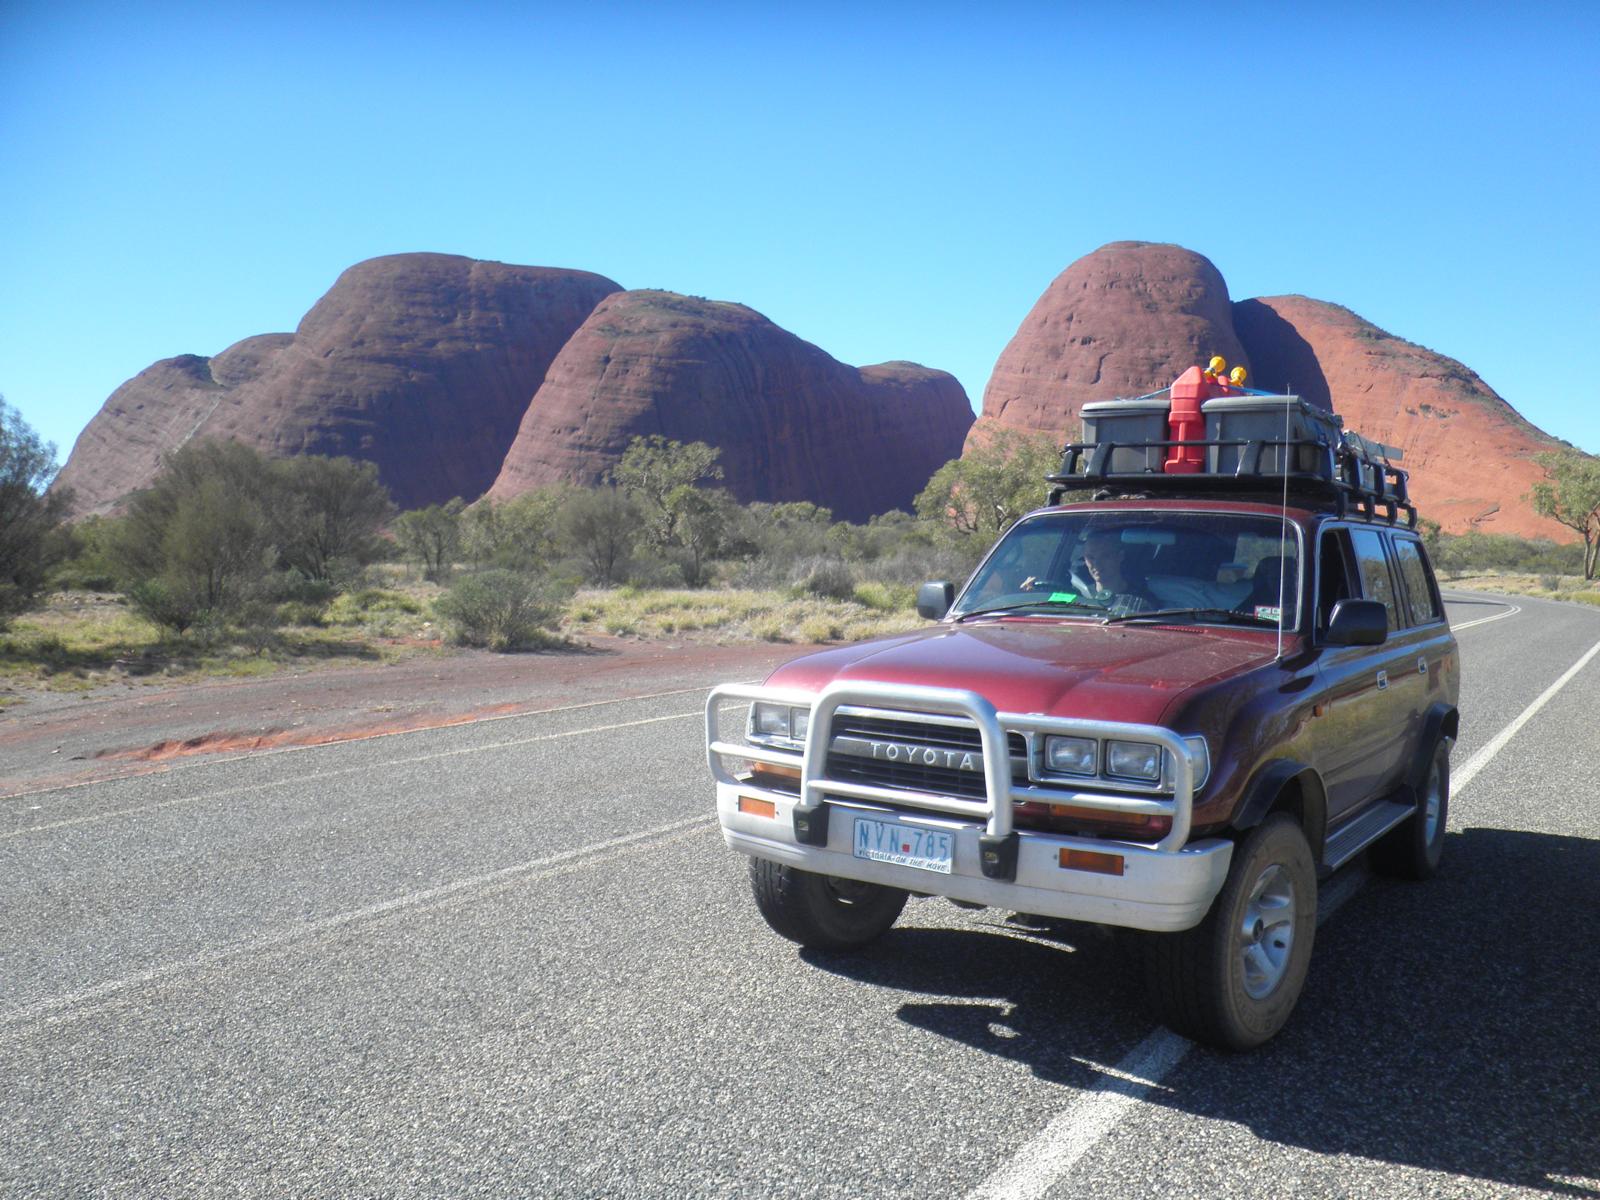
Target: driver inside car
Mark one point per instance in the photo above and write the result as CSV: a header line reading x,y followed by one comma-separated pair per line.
x,y
1111,575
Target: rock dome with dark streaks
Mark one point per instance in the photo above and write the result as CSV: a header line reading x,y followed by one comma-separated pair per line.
x,y
1469,453
792,422
420,363
1122,321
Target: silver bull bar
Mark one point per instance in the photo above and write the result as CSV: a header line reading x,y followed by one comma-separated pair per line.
x,y
995,810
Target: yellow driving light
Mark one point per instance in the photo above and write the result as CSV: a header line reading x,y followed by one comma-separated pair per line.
x,y
1218,364
1237,376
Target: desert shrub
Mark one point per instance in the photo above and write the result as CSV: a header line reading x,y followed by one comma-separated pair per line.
x,y
601,527
828,578
32,540
431,537
327,515
1550,583
885,597
503,610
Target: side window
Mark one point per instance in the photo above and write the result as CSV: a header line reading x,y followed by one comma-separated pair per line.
x,y
1420,593
1333,573
1376,582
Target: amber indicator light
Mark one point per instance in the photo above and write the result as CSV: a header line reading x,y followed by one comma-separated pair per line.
x,y
766,808
780,770
1091,860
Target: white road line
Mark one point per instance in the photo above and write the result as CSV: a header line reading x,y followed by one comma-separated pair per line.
x,y
1499,616
1460,779
1076,1129
532,869
363,768
168,768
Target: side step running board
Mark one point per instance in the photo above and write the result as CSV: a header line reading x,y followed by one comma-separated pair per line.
x,y
1355,836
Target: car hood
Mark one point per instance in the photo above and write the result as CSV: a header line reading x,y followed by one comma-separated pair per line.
x,y
1128,673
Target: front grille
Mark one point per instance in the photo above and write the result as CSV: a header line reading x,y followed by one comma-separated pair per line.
x,y
918,777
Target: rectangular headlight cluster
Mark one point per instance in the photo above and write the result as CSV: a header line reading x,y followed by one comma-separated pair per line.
x,y
779,722
1137,762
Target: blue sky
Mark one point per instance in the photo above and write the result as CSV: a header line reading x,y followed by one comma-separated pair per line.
x,y
900,182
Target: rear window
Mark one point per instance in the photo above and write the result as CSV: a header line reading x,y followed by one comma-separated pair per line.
x,y
1376,581
1420,595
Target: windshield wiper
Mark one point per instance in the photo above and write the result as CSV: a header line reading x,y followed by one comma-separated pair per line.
x,y
1226,616
1041,602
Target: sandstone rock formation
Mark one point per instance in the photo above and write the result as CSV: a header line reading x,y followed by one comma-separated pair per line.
x,y
1470,454
1121,321
421,363
793,423
1128,318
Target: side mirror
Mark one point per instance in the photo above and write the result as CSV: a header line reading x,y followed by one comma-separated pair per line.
x,y
935,599
1358,623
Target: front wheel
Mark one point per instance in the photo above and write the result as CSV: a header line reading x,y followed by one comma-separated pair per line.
x,y
1233,980
823,912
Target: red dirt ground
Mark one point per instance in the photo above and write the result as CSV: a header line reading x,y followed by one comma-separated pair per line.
x,y
50,740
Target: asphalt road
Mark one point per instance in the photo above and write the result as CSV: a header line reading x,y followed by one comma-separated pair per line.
x,y
514,959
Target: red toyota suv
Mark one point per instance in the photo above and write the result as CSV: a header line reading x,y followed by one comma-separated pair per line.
x,y
1171,709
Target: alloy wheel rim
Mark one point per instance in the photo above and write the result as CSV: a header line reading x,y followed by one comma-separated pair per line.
x,y
1266,932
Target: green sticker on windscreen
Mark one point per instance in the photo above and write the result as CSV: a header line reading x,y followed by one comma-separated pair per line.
x,y
1063,597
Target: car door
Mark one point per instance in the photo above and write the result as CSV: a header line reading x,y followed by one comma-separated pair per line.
x,y
1363,733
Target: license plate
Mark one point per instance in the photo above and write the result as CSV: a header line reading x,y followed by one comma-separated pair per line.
x,y
904,845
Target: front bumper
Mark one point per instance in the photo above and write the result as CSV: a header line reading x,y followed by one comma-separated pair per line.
x,y
1157,890
1166,885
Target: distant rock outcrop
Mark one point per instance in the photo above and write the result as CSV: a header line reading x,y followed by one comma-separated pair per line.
x,y
1470,454
1121,321
1128,318
420,363
792,422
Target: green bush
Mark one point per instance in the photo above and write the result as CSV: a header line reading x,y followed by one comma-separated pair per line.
x,y
830,579
504,610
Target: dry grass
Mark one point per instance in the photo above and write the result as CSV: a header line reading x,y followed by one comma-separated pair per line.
x,y
81,640
732,616
1571,588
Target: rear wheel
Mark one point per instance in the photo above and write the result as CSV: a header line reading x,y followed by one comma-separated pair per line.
x,y
823,912
1412,849
1233,980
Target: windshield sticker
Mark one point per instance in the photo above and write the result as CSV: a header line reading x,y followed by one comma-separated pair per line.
x,y
1269,612
1063,597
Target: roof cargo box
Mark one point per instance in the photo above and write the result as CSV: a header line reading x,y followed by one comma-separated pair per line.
x,y
1262,419
1132,425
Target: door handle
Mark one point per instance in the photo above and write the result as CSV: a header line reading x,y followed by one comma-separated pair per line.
x,y
1422,665
1383,680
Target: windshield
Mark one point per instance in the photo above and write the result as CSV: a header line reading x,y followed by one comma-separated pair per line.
x,y
1218,567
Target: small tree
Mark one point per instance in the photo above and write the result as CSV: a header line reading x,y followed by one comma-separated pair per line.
x,y
199,543
431,537
601,526
1571,495
660,475
703,520
31,518
329,517
975,498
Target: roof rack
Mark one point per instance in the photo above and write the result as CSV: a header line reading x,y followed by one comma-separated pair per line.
x,y
1128,447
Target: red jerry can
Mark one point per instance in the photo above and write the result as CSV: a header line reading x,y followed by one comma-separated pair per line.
x,y
1187,423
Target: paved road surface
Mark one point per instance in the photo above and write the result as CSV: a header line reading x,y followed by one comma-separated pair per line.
x,y
514,958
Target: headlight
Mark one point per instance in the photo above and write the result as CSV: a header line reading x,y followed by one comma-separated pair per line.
x,y
779,721
770,720
1133,760
1069,755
